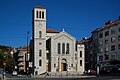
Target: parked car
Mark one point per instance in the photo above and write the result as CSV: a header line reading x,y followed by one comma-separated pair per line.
x,y
14,73
91,71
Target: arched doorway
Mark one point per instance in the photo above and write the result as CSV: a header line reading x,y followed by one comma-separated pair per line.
x,y
63,65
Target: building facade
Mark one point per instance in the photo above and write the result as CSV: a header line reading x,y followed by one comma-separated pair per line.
x,y
90,55
53,51
20,59
107,43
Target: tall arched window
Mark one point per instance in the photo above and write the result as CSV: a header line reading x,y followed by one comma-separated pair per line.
x,y
40,34
59,49
36,14
67,47
40,62
42,15
63,48
39,14
40,53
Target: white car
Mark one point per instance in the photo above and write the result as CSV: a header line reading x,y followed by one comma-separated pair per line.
x,y
14,73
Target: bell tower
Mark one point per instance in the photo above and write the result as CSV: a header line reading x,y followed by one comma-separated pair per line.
x,y
39,40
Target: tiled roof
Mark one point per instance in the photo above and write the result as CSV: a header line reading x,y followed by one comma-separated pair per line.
x,y
51,31
40,7
108,25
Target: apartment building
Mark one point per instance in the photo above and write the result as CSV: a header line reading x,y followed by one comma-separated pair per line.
x,y
90,55
106,40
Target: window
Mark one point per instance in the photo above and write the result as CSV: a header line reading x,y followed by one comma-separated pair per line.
x,y
118,46
67,47
40,34
106,49
40,43
40,62
63,48
80,62
100,35
106,41
112,39
112,47
80,53
36,14
43,15
40,52
119,37
119,29
71,65
100,58
59,49
39,14
112,56
54,65
101,50
106,33
106,56
112,31
101,42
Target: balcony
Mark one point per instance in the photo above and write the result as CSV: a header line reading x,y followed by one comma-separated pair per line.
x,y
20,59
20,64
20,54
21,68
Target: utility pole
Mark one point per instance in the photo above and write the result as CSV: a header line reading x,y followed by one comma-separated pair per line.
x,y
27,55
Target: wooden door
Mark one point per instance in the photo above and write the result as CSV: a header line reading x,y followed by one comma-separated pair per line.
x,y
62,66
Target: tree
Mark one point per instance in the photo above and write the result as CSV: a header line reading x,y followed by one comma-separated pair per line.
x,y
5,57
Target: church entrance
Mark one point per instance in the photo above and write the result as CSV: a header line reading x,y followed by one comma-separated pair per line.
x,y
63,65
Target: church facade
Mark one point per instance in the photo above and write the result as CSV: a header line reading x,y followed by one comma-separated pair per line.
x,y
53,51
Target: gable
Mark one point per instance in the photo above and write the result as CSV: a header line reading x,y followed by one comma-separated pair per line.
x,y
64,36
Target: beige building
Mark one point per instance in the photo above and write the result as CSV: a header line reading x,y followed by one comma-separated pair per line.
x,y
107,43
20,59
53,51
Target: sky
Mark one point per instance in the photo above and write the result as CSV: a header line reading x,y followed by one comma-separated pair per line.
x,y
78,17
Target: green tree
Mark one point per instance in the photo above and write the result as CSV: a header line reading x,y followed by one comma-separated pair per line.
x,y
7,58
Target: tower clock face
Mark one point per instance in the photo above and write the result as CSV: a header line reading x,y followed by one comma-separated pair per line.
x,y
39,25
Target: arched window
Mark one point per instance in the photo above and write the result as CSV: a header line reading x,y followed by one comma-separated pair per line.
x,y
40,52
36,14
42,15
40,62
39,14
59,49
67,47
63,48
40,34
80,53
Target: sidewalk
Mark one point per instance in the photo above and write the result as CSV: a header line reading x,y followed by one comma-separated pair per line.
x,y
62,76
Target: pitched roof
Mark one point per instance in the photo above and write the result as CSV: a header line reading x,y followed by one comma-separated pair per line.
x,y
107,25
49,30
40,7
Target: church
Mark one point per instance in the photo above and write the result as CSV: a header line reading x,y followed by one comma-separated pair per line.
x,y
53,51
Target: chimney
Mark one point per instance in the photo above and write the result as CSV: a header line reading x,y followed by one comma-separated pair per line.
x,y
108,22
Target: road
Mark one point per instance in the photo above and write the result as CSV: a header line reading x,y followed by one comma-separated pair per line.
x,y
23,77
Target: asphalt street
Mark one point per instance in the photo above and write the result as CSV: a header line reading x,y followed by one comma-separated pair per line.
x,y
9,77
89,77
